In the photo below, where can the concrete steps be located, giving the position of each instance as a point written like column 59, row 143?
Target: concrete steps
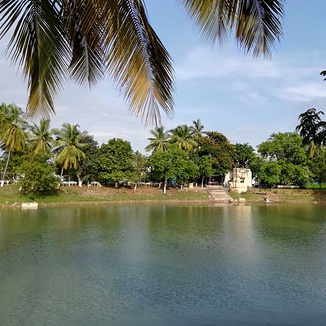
column 219, row 194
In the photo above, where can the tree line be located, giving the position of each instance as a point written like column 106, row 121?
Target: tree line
column 38, row 157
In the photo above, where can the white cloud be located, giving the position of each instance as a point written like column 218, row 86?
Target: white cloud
column 245, row 99
column 303, row 92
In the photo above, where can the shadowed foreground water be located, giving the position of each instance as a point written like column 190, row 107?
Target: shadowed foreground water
column 163, row 265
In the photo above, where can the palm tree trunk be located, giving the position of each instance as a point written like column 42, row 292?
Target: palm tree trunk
column 5, row 170
column 80, row 180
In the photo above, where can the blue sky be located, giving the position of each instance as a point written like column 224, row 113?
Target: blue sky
column 244, row 98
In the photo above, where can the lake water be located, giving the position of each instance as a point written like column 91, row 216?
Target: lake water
column 163, row 265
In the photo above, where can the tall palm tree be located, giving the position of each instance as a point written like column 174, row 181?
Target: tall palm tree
column 160, row 140
column 197, row 128
column 55, row 39
column 12, row 132
column 68, row 146
column 183, row 137
column 41, row 139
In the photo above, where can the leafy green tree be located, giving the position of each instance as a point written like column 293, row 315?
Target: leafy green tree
column 285, row 160
column 172, row 164
column 244, row 155
column 140, row 165
column 317, row 167
column 69, row 147
column 160, row 140
column 283, row 146
column 313, row 131
column 218, row 147
column 15, row 162
column 182, row 136
column 186, row 170
column 309, row 121
column 205, row 166
column 269, row 173
column 116, row 161
column 37, row 176
column 162, row 166
column 12, row 132
column 86, row 39
column 88, row 170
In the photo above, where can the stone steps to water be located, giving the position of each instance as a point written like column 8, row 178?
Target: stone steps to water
column 219, row 195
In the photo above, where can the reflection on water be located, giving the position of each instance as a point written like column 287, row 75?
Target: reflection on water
column 163, row 265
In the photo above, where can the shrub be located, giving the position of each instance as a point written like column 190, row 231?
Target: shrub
column 38, row 176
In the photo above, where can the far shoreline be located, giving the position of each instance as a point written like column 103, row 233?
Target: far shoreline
column 83, row 196
column 159, row 202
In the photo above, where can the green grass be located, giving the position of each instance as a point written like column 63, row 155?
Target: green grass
column 285, row 195
column 316, row 185
column 10, row 195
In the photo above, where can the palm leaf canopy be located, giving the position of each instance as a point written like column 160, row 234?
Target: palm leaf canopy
column 255, row 24
column 41, row 137
column 197, row 128
column 183, row 137
column 53, row 40
column 12, row 128
column 69, row 146
column 160, row 140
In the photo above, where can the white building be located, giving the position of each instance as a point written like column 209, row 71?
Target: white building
column 239, row 179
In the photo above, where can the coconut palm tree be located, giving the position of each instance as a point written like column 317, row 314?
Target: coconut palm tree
column 197, row 128
column 12, row 132
column 68, row 146
column 160, row 140
column 182, row 136
column 41, row 139
column 55, row 39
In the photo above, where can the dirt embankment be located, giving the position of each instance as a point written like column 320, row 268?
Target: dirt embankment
column 174, row 194
column 96, row 195
column 287, row 195
column 141, row 191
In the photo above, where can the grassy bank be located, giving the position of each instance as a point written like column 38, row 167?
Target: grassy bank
column 284, row 195
column 9, row 195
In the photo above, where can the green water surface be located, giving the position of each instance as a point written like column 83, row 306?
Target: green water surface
column 163, row 265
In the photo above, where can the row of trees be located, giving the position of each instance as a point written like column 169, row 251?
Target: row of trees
column 35, row 154
column 183, row 154
column 295, row 157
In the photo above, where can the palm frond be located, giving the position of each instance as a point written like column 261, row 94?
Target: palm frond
column 256, row 24
column 37, row 44
column 54, row 39
column 138, row 61
column 84, row 22
column 259, row 26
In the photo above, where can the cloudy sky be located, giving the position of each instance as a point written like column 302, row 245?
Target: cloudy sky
column 245, row 99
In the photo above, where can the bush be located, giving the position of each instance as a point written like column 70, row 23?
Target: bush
column 38, row 176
